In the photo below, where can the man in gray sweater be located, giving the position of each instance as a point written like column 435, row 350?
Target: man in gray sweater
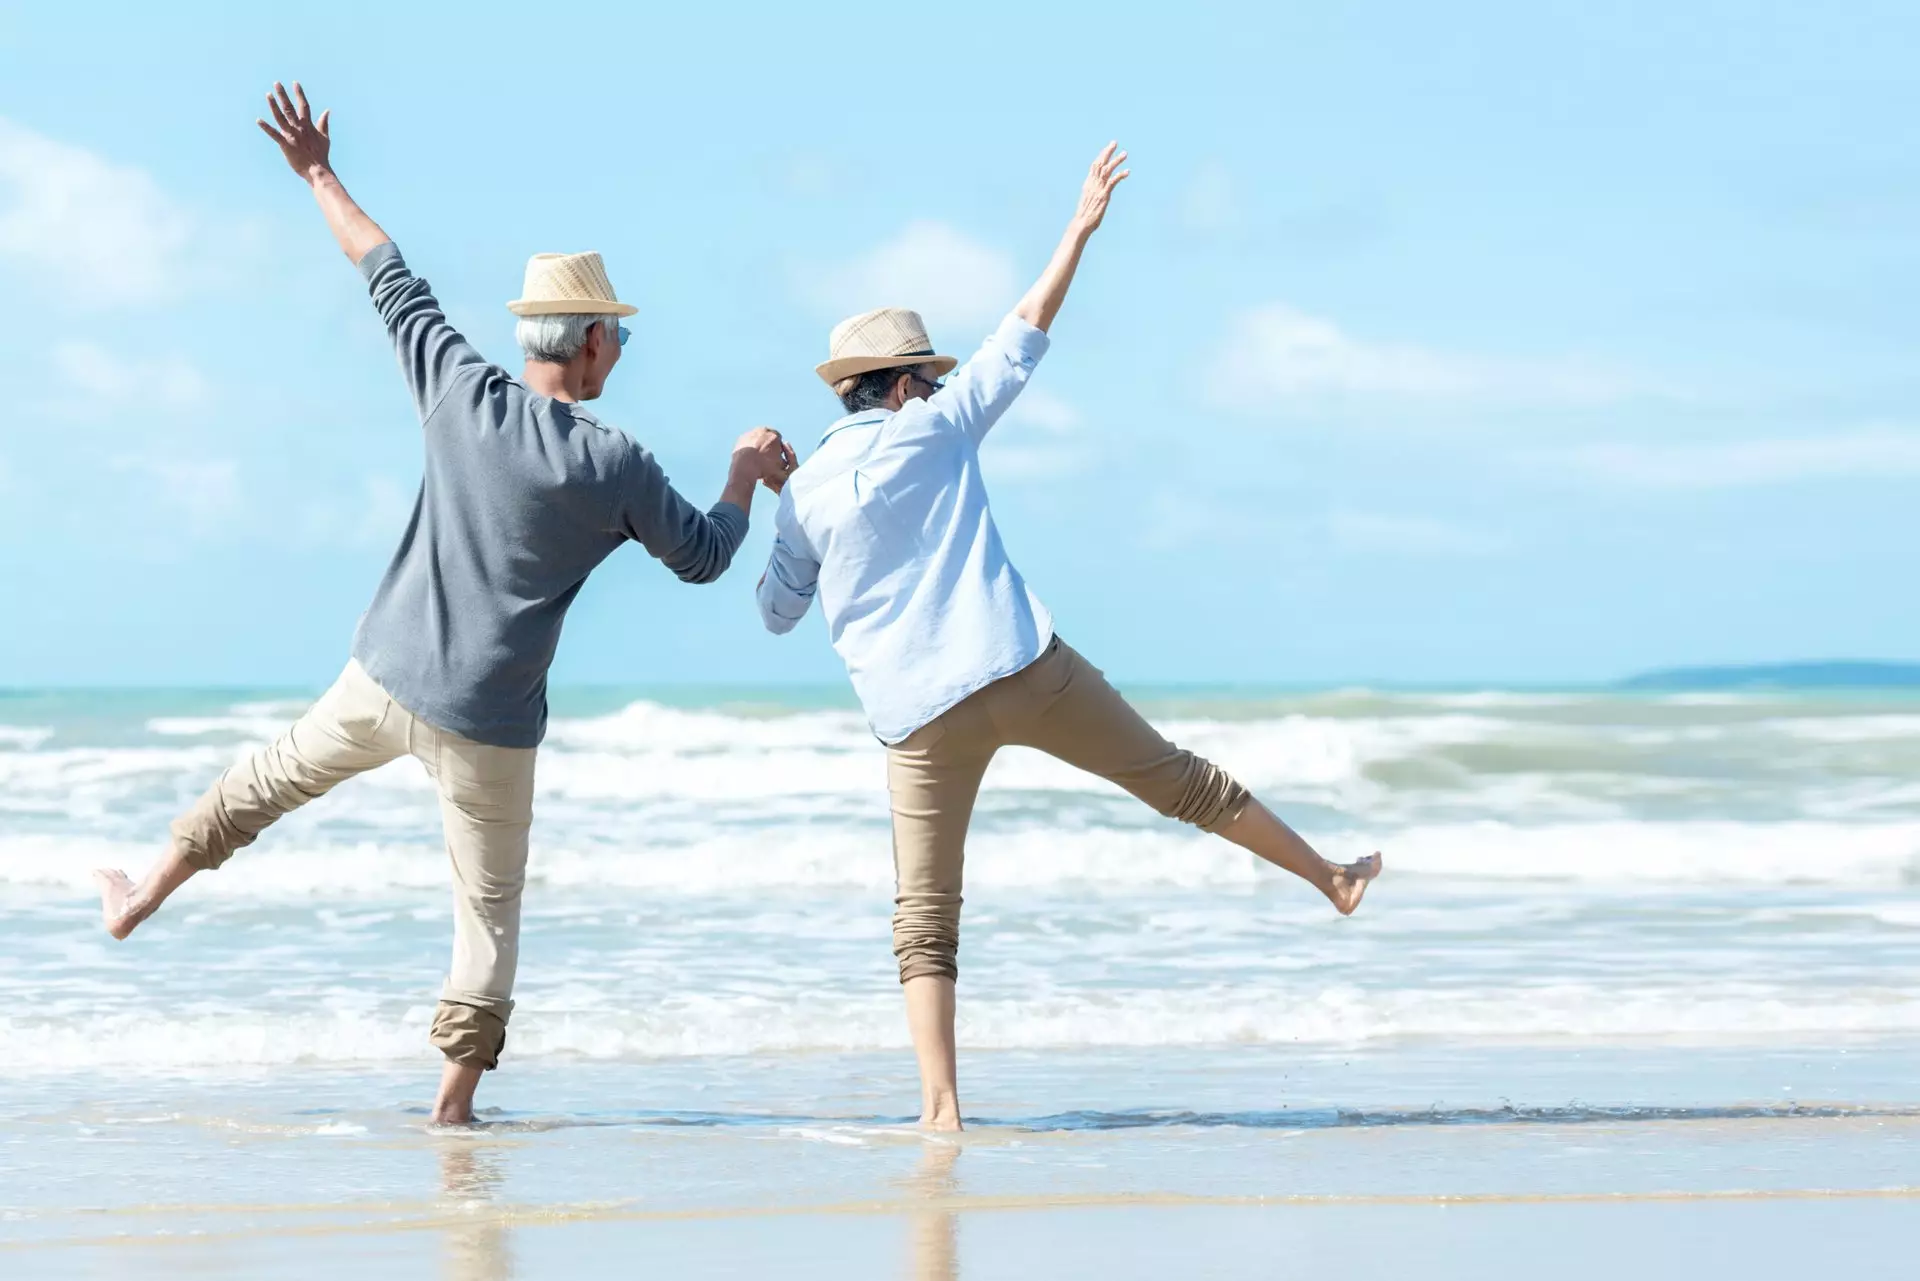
column 525, row 492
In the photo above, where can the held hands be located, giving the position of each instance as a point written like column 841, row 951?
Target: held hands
column 762, row 455
column 304, row 141
column 1098, row 189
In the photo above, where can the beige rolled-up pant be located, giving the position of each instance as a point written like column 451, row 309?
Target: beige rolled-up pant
column 1062, row 705
column 486, row 808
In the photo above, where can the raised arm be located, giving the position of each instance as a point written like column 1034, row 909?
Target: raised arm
column 431, row 351
column 308, row 144
column 981, row 390
column 1042, row 302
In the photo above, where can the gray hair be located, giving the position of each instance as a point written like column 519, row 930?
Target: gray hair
column 870, row 390
column 558, row 339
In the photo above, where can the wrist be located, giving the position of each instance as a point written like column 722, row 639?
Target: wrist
column 321, row 174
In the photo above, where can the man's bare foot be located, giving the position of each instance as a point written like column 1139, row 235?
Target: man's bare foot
column 453, row 1104
column 117, row 908
column 1350, row 881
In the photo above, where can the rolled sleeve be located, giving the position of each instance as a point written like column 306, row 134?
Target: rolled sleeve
column 697, row 546
column 788, row 587
column 981, row 390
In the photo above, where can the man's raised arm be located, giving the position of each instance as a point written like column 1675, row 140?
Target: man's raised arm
column 982, row 389
column 431, row 351
column 307, row 144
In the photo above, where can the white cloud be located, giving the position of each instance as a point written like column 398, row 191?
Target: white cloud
column 1401, row 534
column 371, row 516
column 1211, row 204
column 1277, row 354
column 954, row 281
column 204, row 492
column 1039, row 439
column 91, row 232
column 109, row 381
column 1867, row 452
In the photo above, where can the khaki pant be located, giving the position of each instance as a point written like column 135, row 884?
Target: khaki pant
column 1062, row 705
column 486, row 807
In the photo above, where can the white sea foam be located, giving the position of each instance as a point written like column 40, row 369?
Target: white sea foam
column 1557, row 1013
column 1040, row 855
column 25, row 737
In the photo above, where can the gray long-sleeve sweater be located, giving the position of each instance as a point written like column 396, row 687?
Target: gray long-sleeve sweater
column 522, row 497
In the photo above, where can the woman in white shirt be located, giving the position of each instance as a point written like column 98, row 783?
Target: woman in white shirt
column 952, row 656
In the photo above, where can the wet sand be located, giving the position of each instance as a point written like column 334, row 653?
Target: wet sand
column 298, row 1176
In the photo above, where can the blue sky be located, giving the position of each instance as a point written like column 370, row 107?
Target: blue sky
column 1478, row 342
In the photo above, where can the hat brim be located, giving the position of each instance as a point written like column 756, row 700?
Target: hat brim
column 569, row 307
column 847, row 366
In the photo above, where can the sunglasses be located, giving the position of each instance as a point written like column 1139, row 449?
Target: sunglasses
column 625, row 334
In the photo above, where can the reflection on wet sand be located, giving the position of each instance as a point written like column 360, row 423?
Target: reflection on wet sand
column 470, row 1174
column 934, row 1232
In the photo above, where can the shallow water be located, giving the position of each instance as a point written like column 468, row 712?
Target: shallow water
column 1638, row 945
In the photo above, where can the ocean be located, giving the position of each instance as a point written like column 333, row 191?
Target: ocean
column 1677, row 932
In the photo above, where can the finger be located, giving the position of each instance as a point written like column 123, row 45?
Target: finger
column 1101, row 159
column 1118, row 179
column 280, row 117
column 322, row 126
column 286, row 103
column 1118, row 159
column 271, row 132
column 300, row 101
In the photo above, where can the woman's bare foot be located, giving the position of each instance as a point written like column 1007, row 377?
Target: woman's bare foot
column 1349, row 883
column 941, row 1122
column 116, row 901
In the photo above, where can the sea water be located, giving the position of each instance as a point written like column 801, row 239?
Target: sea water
column 1609, row 923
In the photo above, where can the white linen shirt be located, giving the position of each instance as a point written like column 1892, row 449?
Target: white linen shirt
column 888, row 522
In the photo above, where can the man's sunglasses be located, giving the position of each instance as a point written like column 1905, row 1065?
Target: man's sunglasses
column 625, row 334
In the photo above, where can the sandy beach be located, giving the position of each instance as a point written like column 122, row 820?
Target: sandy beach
column 290, row 1178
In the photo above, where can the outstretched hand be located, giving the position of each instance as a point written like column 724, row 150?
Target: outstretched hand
column 303, row 140
column 1102, row 177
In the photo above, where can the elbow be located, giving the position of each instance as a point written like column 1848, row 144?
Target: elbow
column 702, row 574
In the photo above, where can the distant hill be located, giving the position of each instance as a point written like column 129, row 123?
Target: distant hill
column 1827, row 675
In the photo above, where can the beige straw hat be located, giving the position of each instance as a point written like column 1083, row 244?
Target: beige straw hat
column 569, row 284
column 885, row 339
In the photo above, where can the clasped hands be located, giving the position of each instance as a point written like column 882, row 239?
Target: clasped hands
column 765, row 456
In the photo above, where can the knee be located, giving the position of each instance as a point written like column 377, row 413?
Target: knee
column 469, row 1035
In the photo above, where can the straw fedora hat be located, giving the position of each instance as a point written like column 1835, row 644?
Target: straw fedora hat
column 568, row 284
column 889, row 338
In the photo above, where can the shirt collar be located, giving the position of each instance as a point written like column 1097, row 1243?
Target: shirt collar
column 865, row 418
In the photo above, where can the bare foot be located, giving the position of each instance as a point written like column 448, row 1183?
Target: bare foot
column 116, row 901
column 943, row 1123
column 1350, row 881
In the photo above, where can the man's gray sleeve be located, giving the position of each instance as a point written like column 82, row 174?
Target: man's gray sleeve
column 431, row 351
column 697, row 546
